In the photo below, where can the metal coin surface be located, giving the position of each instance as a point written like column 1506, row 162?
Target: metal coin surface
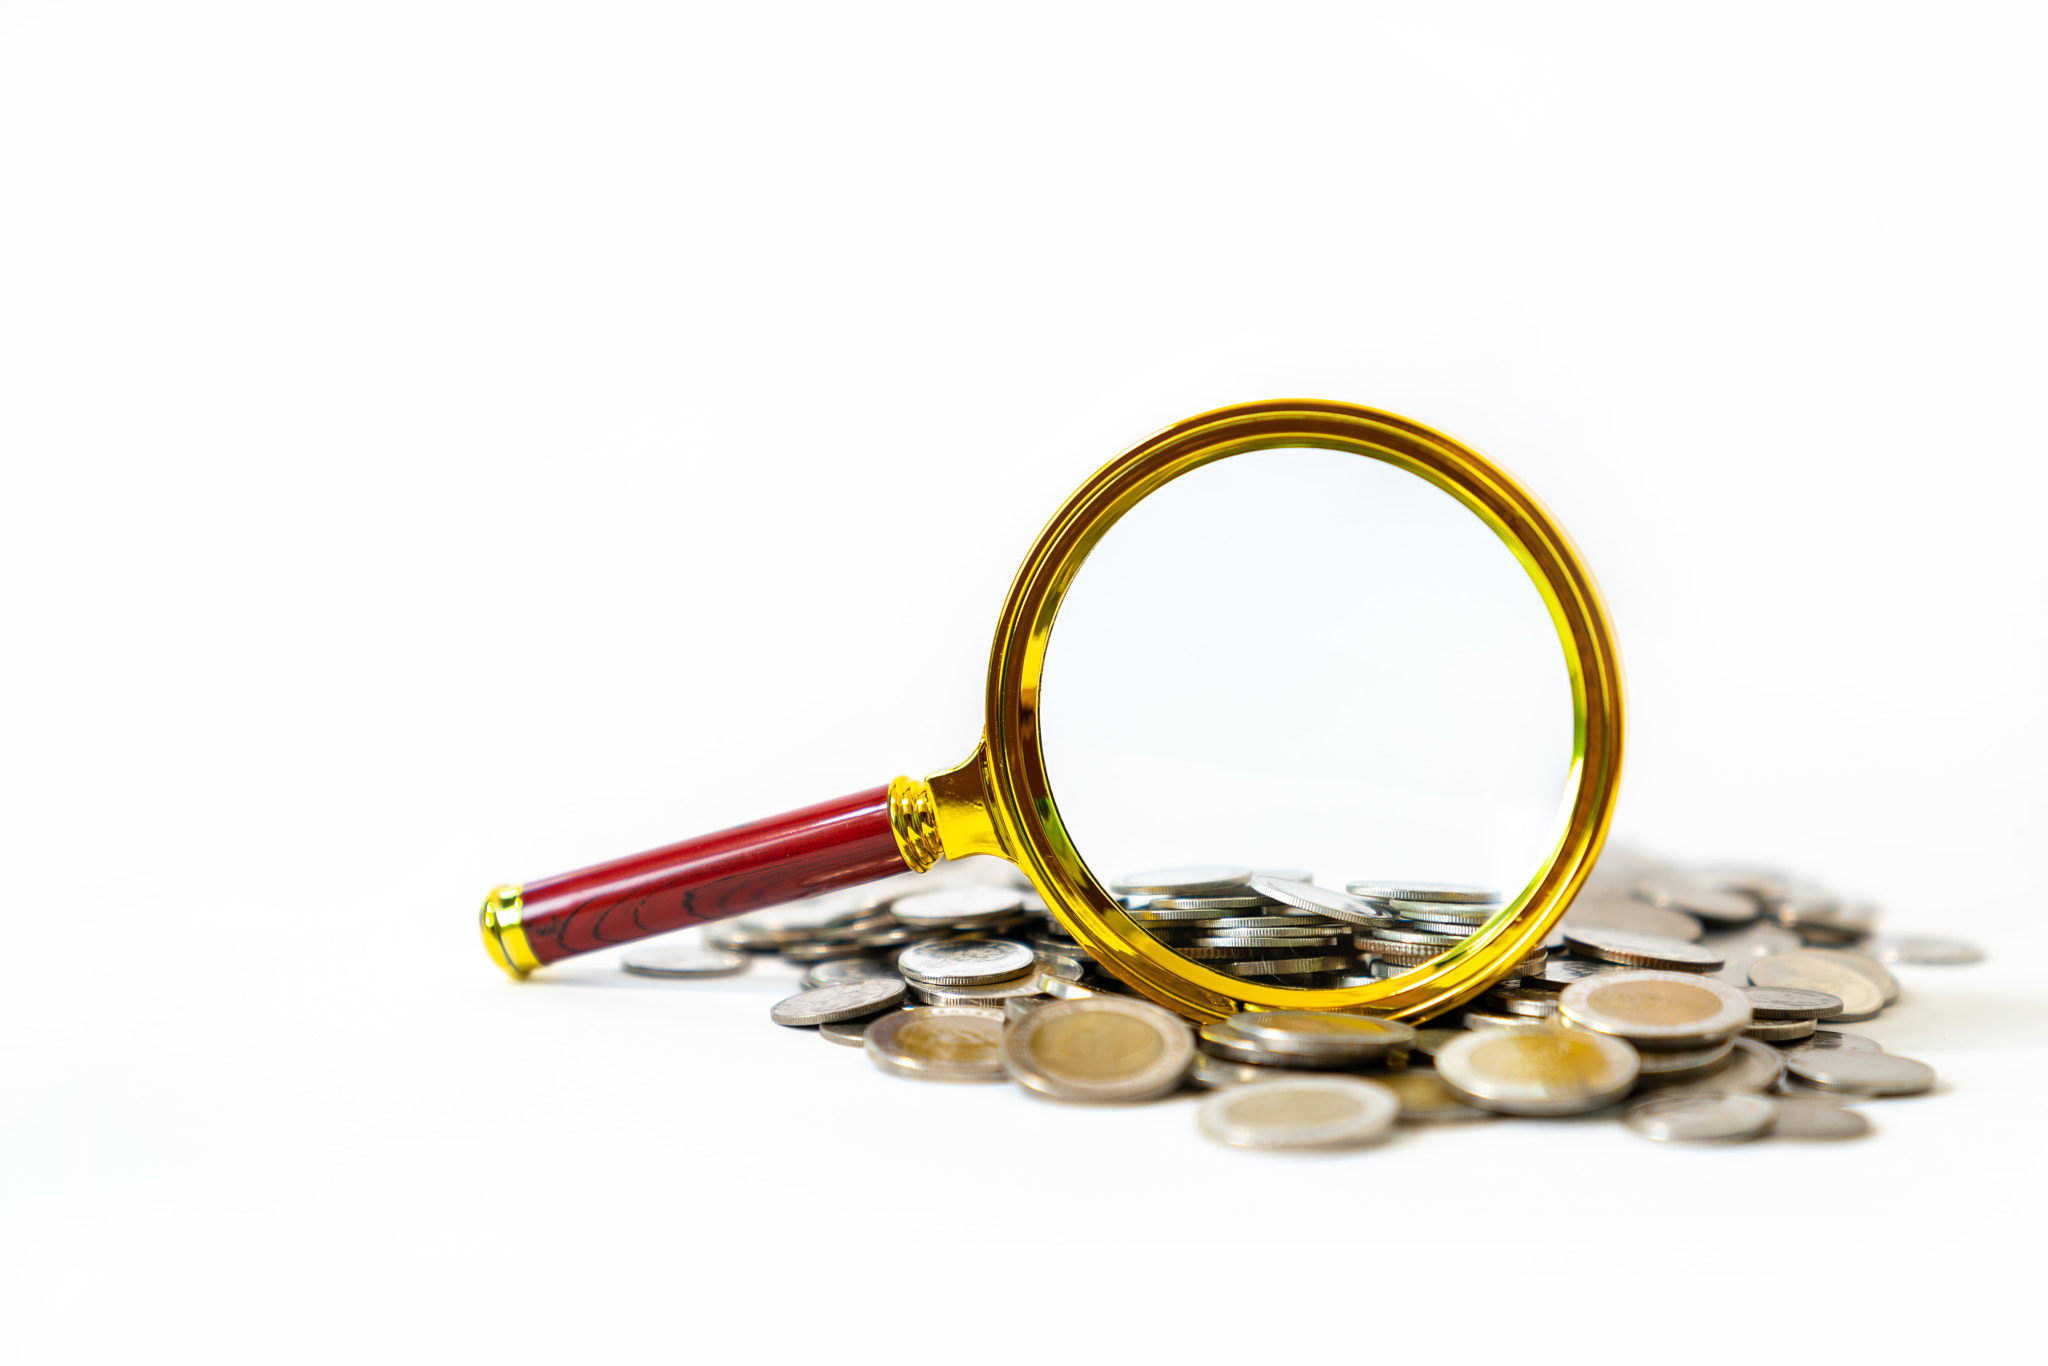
column 1425, row 1099
column 1880, row 976
column 1834, row 1038
column 965, row 962
column 1700, row 1119
column 1743, row 946
column 1380, row 890
column 1220, row 904
column 939, row 1043
column 1306, row 896
column 1800, row 1119
column 1562, row 972
column 1657, row 1010
column 1791, row 1003
column 1284, row 967
column 1779, row 1031
column 1108, row 1048
column 1432, row 1040
column 850, row 1033
column 1926, row 951
column 1804, row 968
column 685, row 960
column 1685, row 1065
column 1474, row 914
column 1640, row 950
column 990, row 994
column 850, row 970
column 1749, row 1068
column 1636, row 917
column 1863, row 1074
column 1716, row 904
column 840, row 1001
column 1324, row 1033
column 1420, row 938
column 745, row 936
column 1538, row 1070
column 1219, row 880
column 1302, row 1112
column 1213, row 1073
column 961, row 907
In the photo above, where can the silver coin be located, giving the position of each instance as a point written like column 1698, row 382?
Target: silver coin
column 1381, row 890
column 1301, row 1112
column 850, row 970
column 1421, row 937
column 1806, row 1120
column 1640, row 950
column 1517, row 1001
column 850, row 1033
column 1538, row 1069
column 1284, row 967
column 1741, row 947
column 1880, row 976
column 939, row 1043
column 1636, row 917
column 684, row 960
column 965, row 962
column 1750, row 1067
column 1700, row 1118
column 1804, row 968
column 1297, row 923
column 1476, row 914
column 1926, row 951
column 1213, row 1073
column 1825, row 1039
column 1791, row 1003
column 840, row 1001
column 1562, row 972
column 989, row 994
column 1306, row 896
column 1064, row 989
column 1243, row 902
column 1716, row 904
column 1222, row 1040
column 1253, row 938
column 1217, row 880
column 1863, row 1074
column 1657, row 1010
column 1687, row 1066
column 1490, row 1019
column 1108, row 1048
column 1779, row 1031
column 1328, row 1034
column 957, row 907
column 742, row 936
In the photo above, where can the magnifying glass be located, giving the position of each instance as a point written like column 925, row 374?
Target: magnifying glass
column 1305, row 644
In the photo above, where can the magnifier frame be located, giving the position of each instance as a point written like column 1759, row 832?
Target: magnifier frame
column 1001, row 801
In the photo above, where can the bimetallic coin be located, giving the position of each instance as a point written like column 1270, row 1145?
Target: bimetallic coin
column 1306, row 896
column 1749, row 1068
column 684, row 960
column 1803, row 968
column 850, row 1033
column 939, row 1043
column 1791, row 1003
column 850, row 970
column 1635, row 917
column 1825, row 1039
column 1926, row 951
column 958, row 907
column 1862, row 1074
column 1657, row 1010
column 1879, row 975
column 1381, row 890
column 1109, row 1048
column 1425, row 1099
column 1805, row 1120
column 1640, row 950
column 1301, row 1112
column 1778, row 1031
column 1325, row 1034
column 1700, row 1119
column 1538, row 1070
column 1208, row 881
column 965, row 962
column 840, row 1001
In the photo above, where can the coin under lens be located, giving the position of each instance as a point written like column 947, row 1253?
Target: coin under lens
column 1309, row 1112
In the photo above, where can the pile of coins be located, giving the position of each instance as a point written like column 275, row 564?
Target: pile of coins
column 1690, row 1002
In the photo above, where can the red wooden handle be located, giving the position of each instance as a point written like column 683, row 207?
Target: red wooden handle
column 802, row 853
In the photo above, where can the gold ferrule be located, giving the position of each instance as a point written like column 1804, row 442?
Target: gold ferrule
column 915, row 823
column 504, row 940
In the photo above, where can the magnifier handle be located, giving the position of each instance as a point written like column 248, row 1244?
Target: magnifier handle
column 801, row 853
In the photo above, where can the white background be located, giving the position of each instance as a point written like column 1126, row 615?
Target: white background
column 449, row 443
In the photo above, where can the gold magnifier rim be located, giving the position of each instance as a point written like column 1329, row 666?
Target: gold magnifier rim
column 1021, row 803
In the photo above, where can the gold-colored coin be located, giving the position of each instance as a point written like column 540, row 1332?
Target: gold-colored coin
column 1657, row 1010
column 1539, row 1070
column 1099, row 1048
column 1426, row 1099
column 939, row 1043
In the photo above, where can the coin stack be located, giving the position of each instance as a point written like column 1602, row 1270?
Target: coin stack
column 1700, row 992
